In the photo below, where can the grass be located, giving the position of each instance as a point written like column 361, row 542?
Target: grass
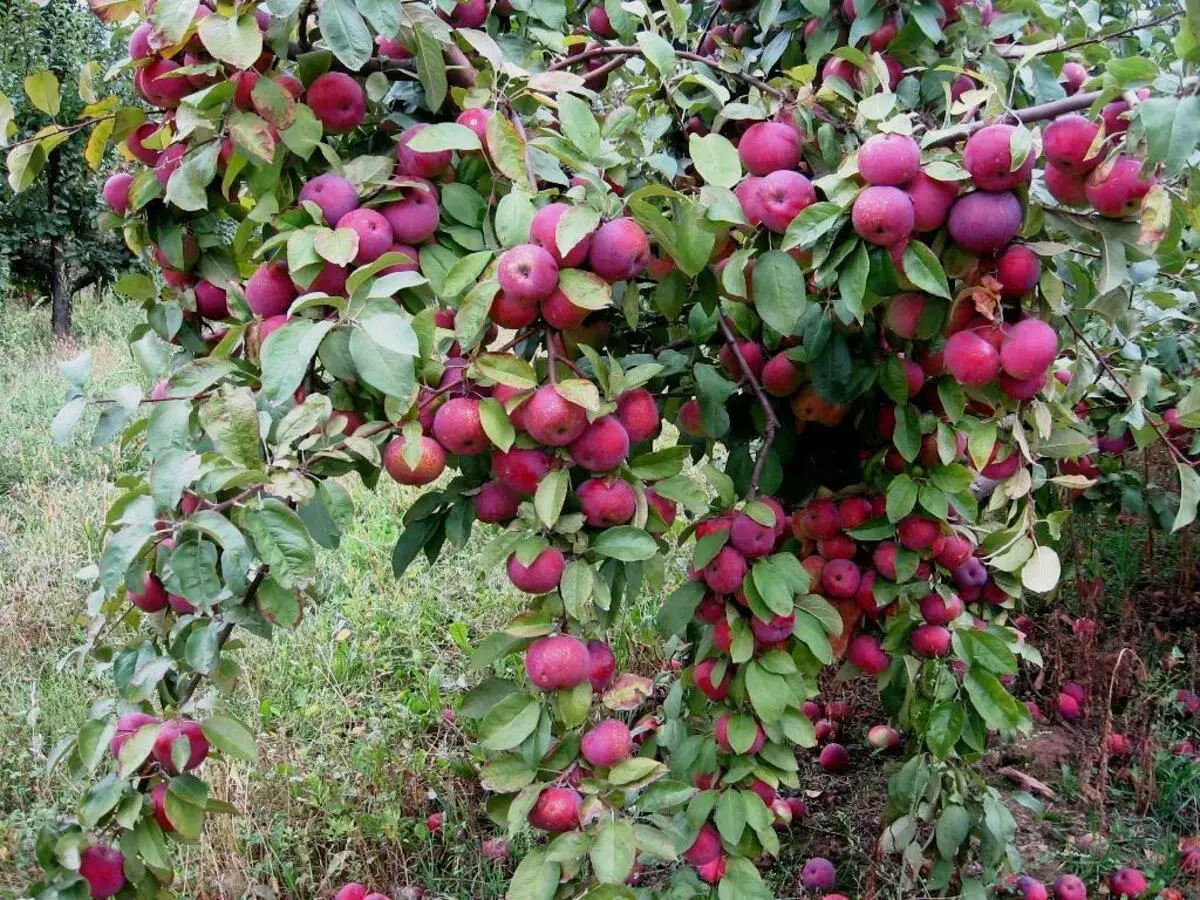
column 357, row 746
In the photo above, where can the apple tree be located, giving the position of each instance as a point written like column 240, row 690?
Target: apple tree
column 905, row 276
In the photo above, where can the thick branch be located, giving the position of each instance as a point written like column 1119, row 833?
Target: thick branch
column 1180, row 457
column 1051, row 110
column 617, row 50
column 84, row 281
column 772, row 422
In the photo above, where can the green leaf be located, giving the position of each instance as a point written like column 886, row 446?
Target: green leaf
column 99, row 800
column 278, row 605
column 730, row 816
column 813, row 223
column 1189, row 497
column 346, row 33
column 445, row 136
column 678, row 609
column 583, row 289
column 120, row 550
column 625, row 543
column 658, row 51
column 287, row 353
column 496, row 424
column 25, row 163
column 509, row 722
column 907, row 435
column 194, row 562
column 42, row 89
column 506, row 369
column 579, row 125
column 514, row 212
column 380, row 364
column 779, row 295
column 716, row 159
column 923, row 269
column 506, row 774
column 136, row 749
column 952, row 829
column 66, row 419
column 283, row 542
column 550, row 496
column 231, row 737
column 1041, row 573
column 852, row 281
column 901, row 497
column 304, row 133
column 768, row 692
column 613, row 851
column 187, row 797
column 431, row 67
column 536, row 878
column 236, row 40
column 996, row 705
column 946, row 721
column 336, row 245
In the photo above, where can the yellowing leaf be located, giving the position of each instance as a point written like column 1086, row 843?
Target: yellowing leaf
column 43, row 91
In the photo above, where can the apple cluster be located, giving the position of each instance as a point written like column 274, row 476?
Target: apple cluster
column 177, row 746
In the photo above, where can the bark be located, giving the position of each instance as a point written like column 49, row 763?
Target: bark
column 60, row 292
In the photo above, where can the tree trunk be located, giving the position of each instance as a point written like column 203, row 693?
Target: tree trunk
column 60, row 291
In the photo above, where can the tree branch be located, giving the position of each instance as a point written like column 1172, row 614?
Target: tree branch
column 772, row 422
column 1179, row 455
column 1058, row 45
column 62, row 129
column 1051, row 110
column 618, row 50
column 84, row 281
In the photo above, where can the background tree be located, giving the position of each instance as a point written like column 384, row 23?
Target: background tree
column 50, row 241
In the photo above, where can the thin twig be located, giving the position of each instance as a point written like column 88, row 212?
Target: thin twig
column 552, row 354
column 63, row 129
column 600, row 52
column 521, row 336
column 226, row 630
column 235, row 500
column 1124, row 389
column 104, row 401
column 772, row 423
column 712, row 16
